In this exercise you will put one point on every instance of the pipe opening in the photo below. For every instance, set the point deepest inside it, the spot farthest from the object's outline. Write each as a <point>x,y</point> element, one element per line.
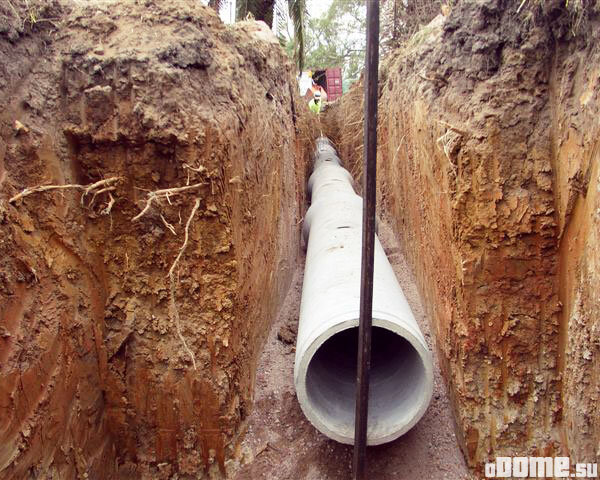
<point>398,384</point>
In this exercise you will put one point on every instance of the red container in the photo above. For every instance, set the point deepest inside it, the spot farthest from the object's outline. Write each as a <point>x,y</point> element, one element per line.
<point>334,83</point>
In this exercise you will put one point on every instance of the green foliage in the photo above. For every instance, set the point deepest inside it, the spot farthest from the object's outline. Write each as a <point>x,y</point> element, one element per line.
<point>337,39</point>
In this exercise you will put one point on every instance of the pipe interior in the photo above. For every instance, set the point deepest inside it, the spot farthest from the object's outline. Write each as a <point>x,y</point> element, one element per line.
<point>398,381</point>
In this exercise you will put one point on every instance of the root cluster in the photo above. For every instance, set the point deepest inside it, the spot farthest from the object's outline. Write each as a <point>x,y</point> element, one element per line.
<point>165,193</point>
<point>106,185</point>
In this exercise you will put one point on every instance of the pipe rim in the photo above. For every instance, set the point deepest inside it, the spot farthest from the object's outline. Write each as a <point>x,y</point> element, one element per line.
<point>390,325</point>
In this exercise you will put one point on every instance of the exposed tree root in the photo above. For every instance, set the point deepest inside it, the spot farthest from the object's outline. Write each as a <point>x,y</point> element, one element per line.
<point>107,185</point>
<point>106,189</point>
<point>165,193</point>
<point>452,127</point>
<point>108,208</point>
<point>200,169</point>
<point>171,274</point>
<point>168,225</point>
<point>449,141</point>
<point>101,186</point>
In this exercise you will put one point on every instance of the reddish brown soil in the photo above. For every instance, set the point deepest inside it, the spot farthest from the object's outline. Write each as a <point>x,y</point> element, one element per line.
<point>488,165</point>
<point>95,379</point>
<point>281,444</point>
<point>488,161</point>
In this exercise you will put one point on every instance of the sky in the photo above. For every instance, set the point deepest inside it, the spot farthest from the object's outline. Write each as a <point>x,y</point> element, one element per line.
<point>228,12</point>
<point>316,8</point>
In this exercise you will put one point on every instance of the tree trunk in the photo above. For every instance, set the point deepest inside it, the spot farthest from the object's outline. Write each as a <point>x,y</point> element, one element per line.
<point>260,9</point>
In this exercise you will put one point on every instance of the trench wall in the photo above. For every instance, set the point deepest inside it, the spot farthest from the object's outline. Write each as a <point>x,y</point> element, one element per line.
<point>95,378</point>
<point>488,171</point>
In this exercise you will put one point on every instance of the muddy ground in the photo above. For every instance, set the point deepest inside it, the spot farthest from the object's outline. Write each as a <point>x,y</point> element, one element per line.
<point>281,444</point>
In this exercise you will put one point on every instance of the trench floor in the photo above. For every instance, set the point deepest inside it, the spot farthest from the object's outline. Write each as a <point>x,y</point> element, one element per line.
<point>280,444</point>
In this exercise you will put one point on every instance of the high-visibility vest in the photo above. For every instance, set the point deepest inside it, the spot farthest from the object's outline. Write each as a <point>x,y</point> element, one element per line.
<point>315,107</point>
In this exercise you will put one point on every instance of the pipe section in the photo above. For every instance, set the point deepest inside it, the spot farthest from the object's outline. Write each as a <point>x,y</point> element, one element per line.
<point>325,368</point>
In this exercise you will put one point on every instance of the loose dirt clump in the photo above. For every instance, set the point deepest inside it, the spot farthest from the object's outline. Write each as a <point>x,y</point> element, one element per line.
<point>150,189</point>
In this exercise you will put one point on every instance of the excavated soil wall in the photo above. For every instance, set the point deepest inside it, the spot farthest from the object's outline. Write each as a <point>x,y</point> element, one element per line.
<point>488,169</point>
<point>109,367</point>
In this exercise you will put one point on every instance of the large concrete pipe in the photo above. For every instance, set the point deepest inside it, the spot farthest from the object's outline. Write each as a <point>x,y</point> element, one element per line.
<point>325,370</point>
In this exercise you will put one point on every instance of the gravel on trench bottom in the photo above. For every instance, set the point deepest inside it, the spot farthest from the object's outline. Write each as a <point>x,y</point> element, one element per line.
<point>281,444</point>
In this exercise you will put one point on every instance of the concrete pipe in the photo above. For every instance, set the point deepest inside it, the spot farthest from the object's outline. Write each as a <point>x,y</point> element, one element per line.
<point>325,368</point>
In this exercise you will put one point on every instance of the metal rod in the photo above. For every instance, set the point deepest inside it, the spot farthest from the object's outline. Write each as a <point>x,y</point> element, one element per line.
<point>368,240</point>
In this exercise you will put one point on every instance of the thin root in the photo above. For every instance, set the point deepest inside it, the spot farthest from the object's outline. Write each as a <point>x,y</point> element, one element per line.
<point>452,127</point>
<point>174,311</point>
<point>165,193</point>
<point>175,316</point>
<point>186,237</point>
<point>168,225</point>
<point>200,169</point>
<point>107,182</point>
<point>445,141</point>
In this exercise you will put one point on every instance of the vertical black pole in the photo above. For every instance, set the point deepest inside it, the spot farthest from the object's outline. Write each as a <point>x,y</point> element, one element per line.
<point>368,240</point>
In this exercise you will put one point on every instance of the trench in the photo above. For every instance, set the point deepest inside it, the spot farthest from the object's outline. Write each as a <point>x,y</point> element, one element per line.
<point>280,442</point>
<point>489,180</point>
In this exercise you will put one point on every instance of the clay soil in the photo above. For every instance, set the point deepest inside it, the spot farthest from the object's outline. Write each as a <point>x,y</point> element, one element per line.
<point>488,168</point>
<point>110,366</point>
<point>280,443</point>
<point>488,159</point>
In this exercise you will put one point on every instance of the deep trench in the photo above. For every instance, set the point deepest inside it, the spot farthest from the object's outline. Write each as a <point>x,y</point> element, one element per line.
<point>485,214</point>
